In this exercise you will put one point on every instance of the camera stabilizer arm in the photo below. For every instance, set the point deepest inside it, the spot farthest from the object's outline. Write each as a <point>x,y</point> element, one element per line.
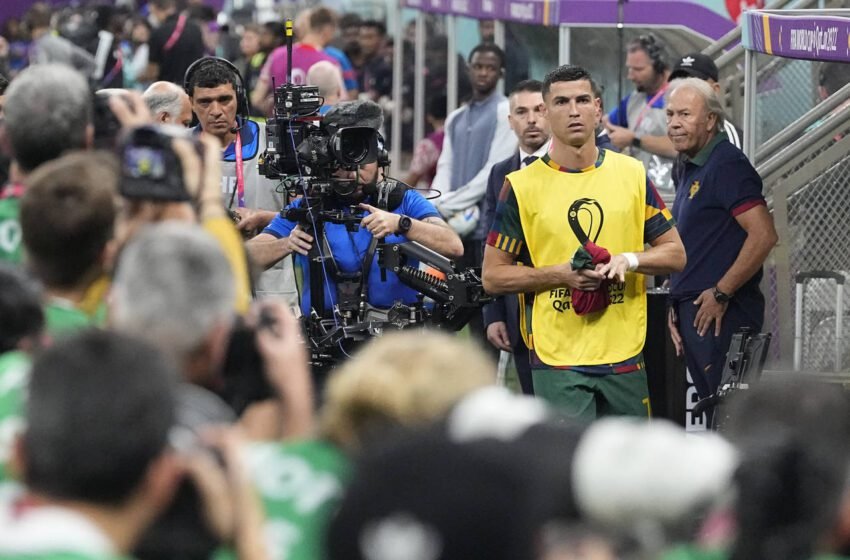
<point>457,294</point>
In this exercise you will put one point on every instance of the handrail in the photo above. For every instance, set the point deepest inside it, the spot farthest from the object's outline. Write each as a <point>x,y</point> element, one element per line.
<point>800,125</point>
<point>833,125</point>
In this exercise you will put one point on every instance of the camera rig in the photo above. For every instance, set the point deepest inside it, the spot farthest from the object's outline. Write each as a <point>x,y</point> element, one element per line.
<point>306,152</point>
<point>447,297</point>
<point>744,364</point>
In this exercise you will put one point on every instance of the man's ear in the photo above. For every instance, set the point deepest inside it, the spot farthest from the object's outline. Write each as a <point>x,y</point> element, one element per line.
<point>161,481</point>
<point>711,123</point>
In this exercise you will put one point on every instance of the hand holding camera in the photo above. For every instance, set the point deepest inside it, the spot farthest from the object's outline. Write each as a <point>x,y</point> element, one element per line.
<point>284,353</point>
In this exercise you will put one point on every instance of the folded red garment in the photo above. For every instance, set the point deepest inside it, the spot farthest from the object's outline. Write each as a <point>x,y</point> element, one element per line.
<point>584,301</point>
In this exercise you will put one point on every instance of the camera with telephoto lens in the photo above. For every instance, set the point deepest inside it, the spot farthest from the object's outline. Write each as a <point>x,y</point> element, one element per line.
<point>150,168</point>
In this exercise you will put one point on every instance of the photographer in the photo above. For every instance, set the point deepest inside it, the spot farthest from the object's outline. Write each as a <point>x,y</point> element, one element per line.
<point>414,219</point>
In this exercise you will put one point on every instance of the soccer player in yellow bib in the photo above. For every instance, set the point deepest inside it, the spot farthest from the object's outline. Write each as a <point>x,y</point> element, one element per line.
<point>586,365</point>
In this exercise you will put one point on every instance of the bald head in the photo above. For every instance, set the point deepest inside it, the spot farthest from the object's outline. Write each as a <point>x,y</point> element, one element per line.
<point>328,78</point>
<point>169,104</point>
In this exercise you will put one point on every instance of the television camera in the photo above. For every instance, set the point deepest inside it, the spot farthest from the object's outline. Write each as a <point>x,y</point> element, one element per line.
<point>307,152</point>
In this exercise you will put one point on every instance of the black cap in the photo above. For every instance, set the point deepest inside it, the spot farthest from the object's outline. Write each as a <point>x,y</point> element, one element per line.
<point>695,65</point>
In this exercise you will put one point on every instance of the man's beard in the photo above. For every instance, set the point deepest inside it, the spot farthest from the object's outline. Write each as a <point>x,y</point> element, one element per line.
<point>358,194</point>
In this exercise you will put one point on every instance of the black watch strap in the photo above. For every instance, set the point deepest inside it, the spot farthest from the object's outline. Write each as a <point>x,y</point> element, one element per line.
<point>721,297</point>
<point>404,224</point>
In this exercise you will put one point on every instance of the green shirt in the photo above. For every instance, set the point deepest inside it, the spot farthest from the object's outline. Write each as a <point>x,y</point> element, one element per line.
<point>690,552</point>
<point>300,485</point>
<point>14,374</point>
<point>10,224</point>
<point>61,317</point>
<point>60,556</point>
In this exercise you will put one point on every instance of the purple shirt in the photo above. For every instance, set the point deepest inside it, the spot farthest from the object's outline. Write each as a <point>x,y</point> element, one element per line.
<point>303,57</point>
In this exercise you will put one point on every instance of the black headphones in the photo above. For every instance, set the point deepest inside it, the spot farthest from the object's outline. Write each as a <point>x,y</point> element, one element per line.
<point>654,49</point>
<point>242,106</point>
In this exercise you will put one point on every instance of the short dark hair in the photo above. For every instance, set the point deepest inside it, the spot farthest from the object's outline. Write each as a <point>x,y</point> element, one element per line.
<point>100,408</point>
<point>438,106</point>
<point>201,13</point>
<point>163,4</point>
<point>349,20</point>
<point>275,28</point>
<point>38,16</point>
<point>20,307</point>
<point>532,86</point>
<point>4,83</point>
<point>210,74</point>
<point>376,25</point>
<point>565,73</point>
<point>598,90</point>
<point>654,49</point>
<point>489,48</point>
<point>68,216</point>
<point>832,76</point>
<point>321,17</point>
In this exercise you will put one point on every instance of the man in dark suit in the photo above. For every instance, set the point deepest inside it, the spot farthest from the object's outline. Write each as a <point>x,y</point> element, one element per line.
<point>527,119</point>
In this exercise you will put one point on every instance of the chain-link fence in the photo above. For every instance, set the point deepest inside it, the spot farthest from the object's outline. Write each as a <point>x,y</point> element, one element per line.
<point>816,237</point>
<point>787,89</point>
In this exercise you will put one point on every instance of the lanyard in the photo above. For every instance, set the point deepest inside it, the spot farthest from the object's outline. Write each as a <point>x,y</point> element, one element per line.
<point>175,35</point>
<point>240,174</point>
<point>12,190</point>
<point>649,105</point>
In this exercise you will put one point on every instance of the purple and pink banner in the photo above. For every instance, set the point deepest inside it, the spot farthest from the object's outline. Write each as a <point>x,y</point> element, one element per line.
<point>710,18</point>
<point>795,36</point>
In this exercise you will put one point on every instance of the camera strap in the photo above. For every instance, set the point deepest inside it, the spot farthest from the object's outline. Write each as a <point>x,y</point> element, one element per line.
<point>240,173</point>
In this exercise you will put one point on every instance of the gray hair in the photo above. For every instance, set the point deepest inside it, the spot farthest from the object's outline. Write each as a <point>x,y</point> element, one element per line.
<point>162,98</point>
<point>172,286</point>
<point>48,110</point>
<point>326,76</point>
<point>706,93</point>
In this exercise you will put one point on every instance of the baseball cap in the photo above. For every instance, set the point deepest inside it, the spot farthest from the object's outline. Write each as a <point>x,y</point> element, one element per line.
<point>695,65</point>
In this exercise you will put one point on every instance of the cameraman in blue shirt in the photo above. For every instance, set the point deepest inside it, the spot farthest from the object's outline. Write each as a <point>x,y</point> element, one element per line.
<point>414,219</point>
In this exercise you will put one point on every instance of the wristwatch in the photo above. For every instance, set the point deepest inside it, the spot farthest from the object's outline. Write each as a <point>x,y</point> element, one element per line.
<point>636,142</point>
<point>721,297</point>
<point>404,224</point>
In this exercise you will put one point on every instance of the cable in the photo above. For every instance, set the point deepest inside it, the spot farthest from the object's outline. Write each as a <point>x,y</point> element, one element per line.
<point>313,223</point>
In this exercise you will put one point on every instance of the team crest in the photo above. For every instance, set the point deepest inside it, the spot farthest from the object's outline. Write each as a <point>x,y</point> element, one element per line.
<point>694,189</point>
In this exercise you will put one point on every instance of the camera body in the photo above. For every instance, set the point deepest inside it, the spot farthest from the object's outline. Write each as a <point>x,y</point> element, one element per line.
<point>306,151</point>
<point>150,168</point>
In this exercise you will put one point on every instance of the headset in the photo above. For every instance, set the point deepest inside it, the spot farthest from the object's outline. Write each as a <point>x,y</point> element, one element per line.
<point>242,105</point>
<point>654,49</point>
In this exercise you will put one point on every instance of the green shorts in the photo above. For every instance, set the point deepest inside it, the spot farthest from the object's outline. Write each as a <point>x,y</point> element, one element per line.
<point>588,397</point>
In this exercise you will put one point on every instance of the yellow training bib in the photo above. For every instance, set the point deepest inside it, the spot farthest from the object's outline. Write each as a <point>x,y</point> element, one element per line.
<point>608,201</point>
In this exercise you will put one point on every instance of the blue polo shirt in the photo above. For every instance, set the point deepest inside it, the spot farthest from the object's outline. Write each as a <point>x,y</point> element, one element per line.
<point>714,187</point>
<point>350,247</point>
